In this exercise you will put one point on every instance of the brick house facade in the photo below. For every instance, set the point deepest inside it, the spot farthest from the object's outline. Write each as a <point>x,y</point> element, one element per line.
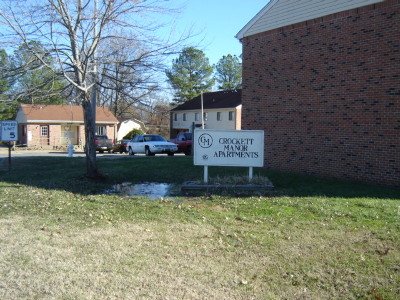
<point>327,93</point>
<point>56,126</point>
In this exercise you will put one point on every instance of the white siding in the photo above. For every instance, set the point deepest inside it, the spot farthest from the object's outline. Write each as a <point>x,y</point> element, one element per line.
<point>210,123</point>
<point>21,117</point>
<point>287,12</point>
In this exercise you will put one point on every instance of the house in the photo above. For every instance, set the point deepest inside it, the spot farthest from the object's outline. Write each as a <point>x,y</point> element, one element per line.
<point>54,126</point>
<point>127,126</point>
<point>222,110</point>
<point>322,79</point>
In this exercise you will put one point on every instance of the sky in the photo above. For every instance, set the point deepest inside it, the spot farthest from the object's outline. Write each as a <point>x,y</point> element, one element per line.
<point>218,21</point>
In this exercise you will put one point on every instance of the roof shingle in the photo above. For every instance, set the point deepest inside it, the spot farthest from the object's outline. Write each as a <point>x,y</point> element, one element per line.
<point>221,99</point>
<point>64,113</point>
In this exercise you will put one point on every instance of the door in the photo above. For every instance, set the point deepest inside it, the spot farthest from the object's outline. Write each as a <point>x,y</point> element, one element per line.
<point>44,135</point>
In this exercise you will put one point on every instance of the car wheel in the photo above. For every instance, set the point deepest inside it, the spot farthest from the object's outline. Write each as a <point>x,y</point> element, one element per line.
<point>148,152</point>
<point>101,151</point>
<point>130,151</point>
<point>109,151</point>
<point>170,153</point>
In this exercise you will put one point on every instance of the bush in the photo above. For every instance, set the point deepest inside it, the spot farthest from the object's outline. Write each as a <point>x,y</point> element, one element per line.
<point>131,134</point>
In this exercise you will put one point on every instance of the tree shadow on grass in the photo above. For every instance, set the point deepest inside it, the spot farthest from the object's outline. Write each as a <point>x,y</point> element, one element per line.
<point>63,173</point>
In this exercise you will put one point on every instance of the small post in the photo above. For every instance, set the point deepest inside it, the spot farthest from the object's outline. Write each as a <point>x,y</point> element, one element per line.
<point>9,156</point>
<point>250,173</point>
<point>191,148</point>
<point>70,150</point>
<point>205,174</point>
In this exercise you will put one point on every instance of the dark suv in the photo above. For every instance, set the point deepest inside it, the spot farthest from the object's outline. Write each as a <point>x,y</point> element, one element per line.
<point>103,143</point>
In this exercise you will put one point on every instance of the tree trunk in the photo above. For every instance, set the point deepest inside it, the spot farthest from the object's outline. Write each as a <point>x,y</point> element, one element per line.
<point>89,115</point>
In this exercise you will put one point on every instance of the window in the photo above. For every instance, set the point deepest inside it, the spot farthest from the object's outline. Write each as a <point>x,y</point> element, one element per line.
<point>205,115</point>
<point>218,116</point>
<point>44,130</point>
<point>175,117</point>
<point>231,114</point>
<point>138,139</point>
<point>101,130</point>
<point>184,117</point>
<point>196,116</point>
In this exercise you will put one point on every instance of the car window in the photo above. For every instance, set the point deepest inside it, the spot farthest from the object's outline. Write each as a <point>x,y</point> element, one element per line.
<point>158,138</point>
<point>188,136</point>
<point>137,139</point>
<point>153,138</point>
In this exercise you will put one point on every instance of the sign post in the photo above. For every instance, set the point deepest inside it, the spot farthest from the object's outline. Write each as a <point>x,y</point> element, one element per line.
<point>9,133</point>
<point>232,148</point>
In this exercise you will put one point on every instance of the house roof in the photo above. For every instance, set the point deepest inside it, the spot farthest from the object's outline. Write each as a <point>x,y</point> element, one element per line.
<point>63,113</point>
<point>213,100</point>
<point>280,13</point>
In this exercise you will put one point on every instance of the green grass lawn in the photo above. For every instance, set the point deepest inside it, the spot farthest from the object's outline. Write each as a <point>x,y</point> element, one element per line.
<point>62,237</point>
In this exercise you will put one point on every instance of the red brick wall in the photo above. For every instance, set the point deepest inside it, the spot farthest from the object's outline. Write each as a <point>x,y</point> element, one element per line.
<point>327,94</point>
<point>111,132</point>
<point>38,141</point>
<point>55,135</point>
<point>54,139</point>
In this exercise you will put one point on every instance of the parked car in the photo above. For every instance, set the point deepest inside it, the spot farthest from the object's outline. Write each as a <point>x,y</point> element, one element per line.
<point>120,146</point>
<point>184,142</point>
<point>103,143</point>
<point>151,144</point>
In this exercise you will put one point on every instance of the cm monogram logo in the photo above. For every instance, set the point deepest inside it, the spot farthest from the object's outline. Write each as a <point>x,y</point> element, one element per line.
<point>205,140</point>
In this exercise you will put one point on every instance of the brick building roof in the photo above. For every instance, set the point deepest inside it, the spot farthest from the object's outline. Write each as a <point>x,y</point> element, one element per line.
<point>213,100</point>
<point>280,13</point>
<point>61,114</point>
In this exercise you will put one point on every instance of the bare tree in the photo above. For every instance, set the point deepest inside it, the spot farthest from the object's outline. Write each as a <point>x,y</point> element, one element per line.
<point>158,120</point>
<point>74,32</point>
<point>123,85</point>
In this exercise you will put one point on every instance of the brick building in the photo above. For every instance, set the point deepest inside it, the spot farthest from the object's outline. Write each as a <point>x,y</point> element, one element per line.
<point>322,78</point>
<point>55,126</point>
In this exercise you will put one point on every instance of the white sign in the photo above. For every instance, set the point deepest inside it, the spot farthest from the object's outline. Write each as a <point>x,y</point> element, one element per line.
<point>8,131</point>
<point>236,148</point>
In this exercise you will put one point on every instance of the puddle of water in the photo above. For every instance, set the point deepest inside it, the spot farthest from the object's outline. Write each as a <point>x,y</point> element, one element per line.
<point>149,189</point>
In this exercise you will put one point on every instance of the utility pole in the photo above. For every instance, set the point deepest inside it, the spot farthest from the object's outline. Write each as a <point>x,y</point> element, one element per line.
<point>202,111</point>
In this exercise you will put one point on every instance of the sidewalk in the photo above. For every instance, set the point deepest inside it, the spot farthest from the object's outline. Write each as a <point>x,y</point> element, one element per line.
<point>23,152</point>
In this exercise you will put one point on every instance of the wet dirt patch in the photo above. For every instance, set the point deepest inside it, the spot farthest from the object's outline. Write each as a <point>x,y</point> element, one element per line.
<point>152,190</point>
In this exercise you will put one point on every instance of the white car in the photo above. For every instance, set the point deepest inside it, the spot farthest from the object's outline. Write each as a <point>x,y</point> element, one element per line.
<point>150,144</point>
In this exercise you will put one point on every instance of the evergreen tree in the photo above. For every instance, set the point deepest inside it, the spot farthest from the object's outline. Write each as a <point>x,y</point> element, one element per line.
<point>8,108</point>
<point>190,75</point>
<point>36,80</point>
<point>229,72</point>
<point>4,82</point>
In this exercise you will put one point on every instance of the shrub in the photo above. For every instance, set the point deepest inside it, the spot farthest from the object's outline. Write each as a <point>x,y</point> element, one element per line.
<point>131,134</point>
